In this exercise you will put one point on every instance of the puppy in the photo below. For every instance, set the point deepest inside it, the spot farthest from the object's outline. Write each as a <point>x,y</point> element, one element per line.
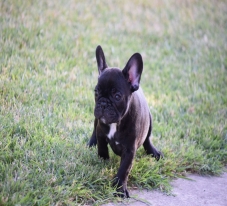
<point>122,116</point>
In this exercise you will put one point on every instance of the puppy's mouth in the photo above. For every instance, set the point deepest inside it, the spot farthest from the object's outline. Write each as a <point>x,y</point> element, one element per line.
<point>106,118</point>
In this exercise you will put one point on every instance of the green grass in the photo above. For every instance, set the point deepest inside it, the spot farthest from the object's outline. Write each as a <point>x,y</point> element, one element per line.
<point>48,73</point>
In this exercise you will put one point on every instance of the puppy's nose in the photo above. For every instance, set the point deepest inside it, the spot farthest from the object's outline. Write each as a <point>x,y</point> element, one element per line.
<point>103,104</point>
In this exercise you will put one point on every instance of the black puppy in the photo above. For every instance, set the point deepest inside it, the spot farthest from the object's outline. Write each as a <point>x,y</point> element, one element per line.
<point>122,117</point>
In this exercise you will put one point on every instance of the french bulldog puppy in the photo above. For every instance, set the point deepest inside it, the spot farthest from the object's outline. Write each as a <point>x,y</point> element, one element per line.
<point>122,116</point>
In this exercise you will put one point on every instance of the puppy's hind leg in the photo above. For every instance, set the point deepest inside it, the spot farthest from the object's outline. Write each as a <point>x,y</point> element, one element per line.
<point>149,147</point>
<point>93,140</point>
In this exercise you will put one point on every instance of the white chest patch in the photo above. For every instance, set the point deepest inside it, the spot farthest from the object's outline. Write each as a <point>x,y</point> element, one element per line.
<point>113,128</point>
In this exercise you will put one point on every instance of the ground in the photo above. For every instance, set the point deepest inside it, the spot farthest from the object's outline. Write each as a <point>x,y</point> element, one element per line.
<point>48,73</point>
<point>197,191</point>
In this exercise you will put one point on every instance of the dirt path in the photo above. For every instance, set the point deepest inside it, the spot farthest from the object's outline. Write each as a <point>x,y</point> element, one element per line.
<point>199,191</point>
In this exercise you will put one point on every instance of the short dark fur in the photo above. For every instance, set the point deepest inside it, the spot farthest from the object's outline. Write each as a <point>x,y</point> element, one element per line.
<point>122,117</point>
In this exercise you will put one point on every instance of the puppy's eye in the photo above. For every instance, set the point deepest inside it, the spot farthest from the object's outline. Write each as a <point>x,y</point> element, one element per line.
<point>117,97</point>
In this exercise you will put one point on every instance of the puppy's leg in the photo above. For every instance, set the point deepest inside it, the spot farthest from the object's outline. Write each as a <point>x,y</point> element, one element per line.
<point>102,148</point>
<point>149,147</point>
<point>102,143</point>
<point>93,140</point>
<point>121,178</point>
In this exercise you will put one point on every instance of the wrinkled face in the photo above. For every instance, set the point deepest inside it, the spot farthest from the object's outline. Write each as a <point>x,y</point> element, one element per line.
<point>112,94</point>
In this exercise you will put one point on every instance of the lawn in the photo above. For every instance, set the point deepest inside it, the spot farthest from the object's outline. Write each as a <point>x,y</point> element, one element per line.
<point>48,73</point>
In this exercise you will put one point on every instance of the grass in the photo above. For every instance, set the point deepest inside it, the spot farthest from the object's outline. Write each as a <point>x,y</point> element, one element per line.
<point>48,73</point>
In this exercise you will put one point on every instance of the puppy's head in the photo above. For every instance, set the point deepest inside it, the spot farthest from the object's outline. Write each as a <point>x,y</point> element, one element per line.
<point>115,86</point>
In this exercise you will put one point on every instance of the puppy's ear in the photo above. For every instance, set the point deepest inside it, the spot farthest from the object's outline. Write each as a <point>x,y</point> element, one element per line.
<point>101,61</point>
<point>133,71</point>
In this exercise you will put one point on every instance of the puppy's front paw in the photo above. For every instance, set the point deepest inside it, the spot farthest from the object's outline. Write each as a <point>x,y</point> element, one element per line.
<point>157,154</point>
<point>123,193</point>
<point>121,189</point>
